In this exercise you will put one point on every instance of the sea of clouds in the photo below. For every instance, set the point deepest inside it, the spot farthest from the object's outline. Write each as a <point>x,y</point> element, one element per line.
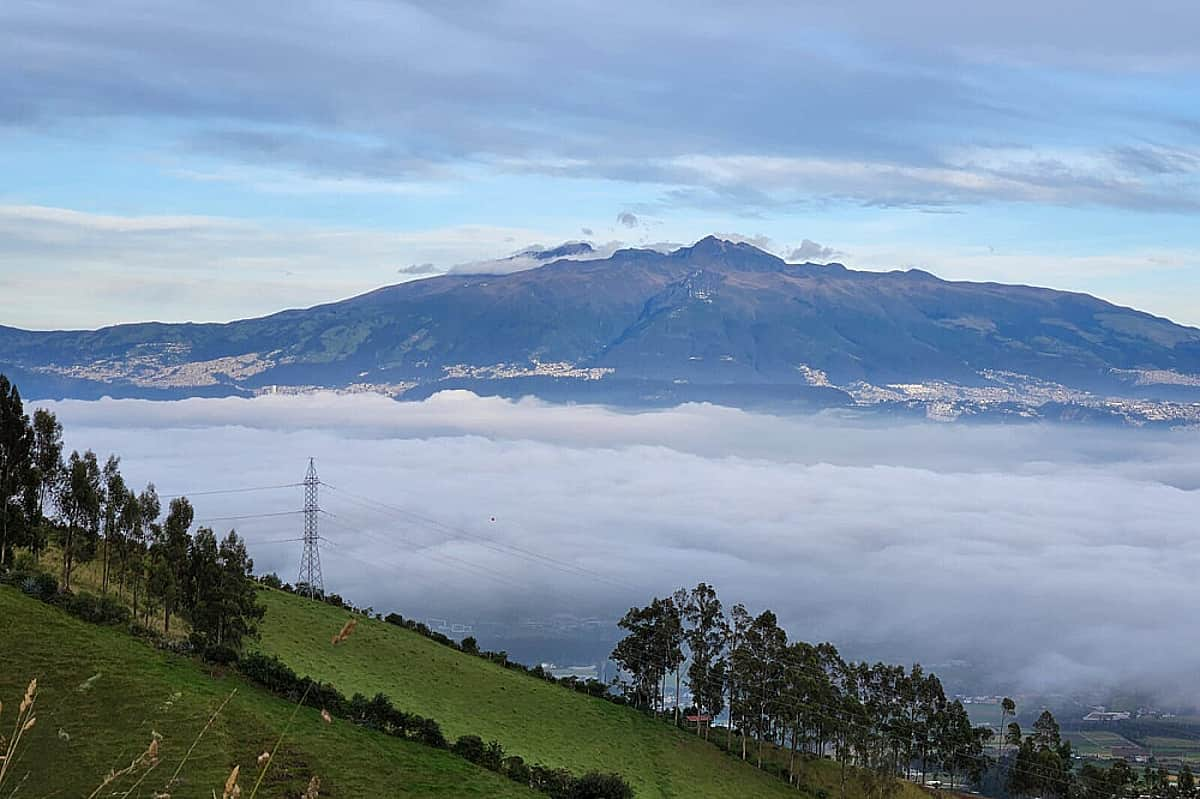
<point>1049,557</point>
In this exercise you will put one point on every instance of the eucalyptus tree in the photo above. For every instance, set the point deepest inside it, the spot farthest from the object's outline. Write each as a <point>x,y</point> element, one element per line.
<point>706,635</point>
<point>669,639</point>
<point>168,558</point>
<point>145,531</point>
<point>1007,708</point>
<point>112,498</point>
<point>16,443</point>
<point>739,622</point>
<point>639,653</point>
<point>758,662</point>
<point>79,504</point>
<point>48,471</point>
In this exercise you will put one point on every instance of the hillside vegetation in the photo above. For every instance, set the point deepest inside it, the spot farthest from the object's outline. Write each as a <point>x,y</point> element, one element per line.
<point>539,721</point>
<point>103,694</point>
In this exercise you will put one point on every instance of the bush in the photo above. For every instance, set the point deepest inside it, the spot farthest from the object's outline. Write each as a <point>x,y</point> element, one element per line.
<point>515,769</point>
<point>493,756</point>
<point>595,785</point>
<point>220,654</point>
<point>469,748</point>
<point>271,580</point>
<point>271,673</point>
<point>429,733</point>
<point>94,609</point>
<point>40,585</point>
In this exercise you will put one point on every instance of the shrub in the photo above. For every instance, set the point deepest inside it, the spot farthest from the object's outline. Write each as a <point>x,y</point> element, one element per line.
<point>40,585</point>
<point>595,785</point>
<point>469,747</point>
<point>515,769</point>
<point>493,756</point>
<point>220,654</point>
<point>556,782</point>
<point>271,673</point>
<point>94,609</point>
<point>429,733</point>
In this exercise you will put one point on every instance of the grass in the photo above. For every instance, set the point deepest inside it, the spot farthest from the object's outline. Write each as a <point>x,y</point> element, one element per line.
<point>102,695</point>
<point>541,722</point>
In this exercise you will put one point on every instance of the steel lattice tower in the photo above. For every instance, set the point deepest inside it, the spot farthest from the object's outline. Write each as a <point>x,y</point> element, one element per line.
<point>310,580</point>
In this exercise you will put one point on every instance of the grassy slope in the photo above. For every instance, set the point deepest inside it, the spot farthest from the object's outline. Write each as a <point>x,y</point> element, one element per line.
<point>141,690</point>
<point>541,722</point>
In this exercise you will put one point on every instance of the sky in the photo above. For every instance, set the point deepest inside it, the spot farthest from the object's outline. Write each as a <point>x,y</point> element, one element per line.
<point>1043,555</point>
<point>200,161</point>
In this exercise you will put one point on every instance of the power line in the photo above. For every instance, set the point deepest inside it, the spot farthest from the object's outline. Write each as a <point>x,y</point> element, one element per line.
<point>475,569</point>
<point>213,491</point>
<point>248,516</point>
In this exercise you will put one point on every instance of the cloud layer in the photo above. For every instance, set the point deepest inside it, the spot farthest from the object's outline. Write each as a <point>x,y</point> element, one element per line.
<point>777,103</point>
<point>1046,556</point>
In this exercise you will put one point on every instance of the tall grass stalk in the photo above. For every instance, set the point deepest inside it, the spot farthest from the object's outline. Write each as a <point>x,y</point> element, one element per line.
<point>24,722</point>
<point>271,758</point>
<point>196,741</point>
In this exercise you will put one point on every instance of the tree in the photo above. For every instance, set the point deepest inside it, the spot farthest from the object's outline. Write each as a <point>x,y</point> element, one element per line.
<point>16,442</point>
<point>1187,781</point>
<point>144,531</point>
<point>1043,763</point>
<point>739,622</point>
<point>650,650</point>
<point>1007,708</point>
<point>199,592</point>
<point>168,558</point>
<point>706,636</point>
<point>239,609</point>
<point>758,662</point>
<point>669,646</point>
<point>48,470</point>
<point>79,502</point>
<point>637,654</point>
<point>113,499</point>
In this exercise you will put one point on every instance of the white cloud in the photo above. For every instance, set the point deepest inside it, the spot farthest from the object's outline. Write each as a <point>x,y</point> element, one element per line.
<point>1039,553</point>
<point>67,268</point>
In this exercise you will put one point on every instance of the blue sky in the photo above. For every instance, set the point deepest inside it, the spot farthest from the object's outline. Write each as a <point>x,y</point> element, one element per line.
<point>209,161</point>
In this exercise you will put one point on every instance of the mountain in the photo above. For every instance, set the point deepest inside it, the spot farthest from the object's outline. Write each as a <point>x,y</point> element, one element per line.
<point>717,321</point>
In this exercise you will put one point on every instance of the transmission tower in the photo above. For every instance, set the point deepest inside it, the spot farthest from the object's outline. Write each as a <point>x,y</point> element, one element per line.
<point>310,580</point>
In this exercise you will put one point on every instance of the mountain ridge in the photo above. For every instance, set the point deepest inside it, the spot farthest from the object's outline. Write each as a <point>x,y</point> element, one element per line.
<point>719,320</point>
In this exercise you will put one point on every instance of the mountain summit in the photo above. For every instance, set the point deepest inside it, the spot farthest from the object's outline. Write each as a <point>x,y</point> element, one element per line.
<point>718,320</point>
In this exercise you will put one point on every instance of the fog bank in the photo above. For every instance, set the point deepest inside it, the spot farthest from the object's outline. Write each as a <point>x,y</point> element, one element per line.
<point>1049,557</point>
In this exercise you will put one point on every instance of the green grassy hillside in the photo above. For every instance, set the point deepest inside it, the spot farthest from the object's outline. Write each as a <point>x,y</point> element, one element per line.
<point>102,694</point>
<point>541,722</point>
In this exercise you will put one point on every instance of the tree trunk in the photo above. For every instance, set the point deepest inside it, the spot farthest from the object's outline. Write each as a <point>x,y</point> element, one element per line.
<point>68,545</point>
<point>792,759</point>
<point>4,520</point>
<point>677,699</point>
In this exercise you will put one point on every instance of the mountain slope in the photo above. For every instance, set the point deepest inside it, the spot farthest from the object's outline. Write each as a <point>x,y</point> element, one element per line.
<point>717,320</point>
<point>102,695</point>
<point>539,721</point>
